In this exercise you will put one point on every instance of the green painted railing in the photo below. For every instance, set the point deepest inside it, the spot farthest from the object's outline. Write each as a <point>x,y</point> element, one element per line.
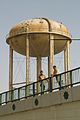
<point>70,78</point>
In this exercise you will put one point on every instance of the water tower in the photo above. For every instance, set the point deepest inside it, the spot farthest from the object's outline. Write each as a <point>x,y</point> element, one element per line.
<point>38,37</point>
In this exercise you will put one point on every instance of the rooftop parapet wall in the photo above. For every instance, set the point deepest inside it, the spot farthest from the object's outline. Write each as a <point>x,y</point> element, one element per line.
<point>50,106</point>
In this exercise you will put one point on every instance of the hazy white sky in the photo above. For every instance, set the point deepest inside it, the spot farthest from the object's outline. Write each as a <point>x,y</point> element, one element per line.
<point>14,11</point>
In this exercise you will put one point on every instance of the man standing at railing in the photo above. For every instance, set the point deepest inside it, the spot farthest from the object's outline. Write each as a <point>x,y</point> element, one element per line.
<point>54,73</point>
<point>42,77</point>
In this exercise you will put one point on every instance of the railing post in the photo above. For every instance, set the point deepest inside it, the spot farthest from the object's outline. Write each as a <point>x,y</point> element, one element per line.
<point>26,91</point>
<point>50,84</point>
<point>41,85</point>
<point>18,93</point>
<point>0,98</point>
<point>60,86</point>
<point>6,97</point>
<point>11,95</point>
<point>71,78</point>
<point>33,89</point>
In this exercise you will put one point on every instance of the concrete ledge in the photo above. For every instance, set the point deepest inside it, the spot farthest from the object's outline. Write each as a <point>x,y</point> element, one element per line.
<point>41,101</point>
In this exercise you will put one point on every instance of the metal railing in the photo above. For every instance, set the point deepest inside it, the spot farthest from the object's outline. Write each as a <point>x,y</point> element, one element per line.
<point>70,78</point>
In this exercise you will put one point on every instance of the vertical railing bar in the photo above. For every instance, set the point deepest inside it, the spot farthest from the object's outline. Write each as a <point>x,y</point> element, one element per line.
<point>11,95</point>
<point>71,79</point>
<point>26,91</point>
<point>6,97</point>
<point>18,93</point>
<point>79,74</point>
<point>60,83</point>
<point>0,99</point>
<point>33,89</point>
<point>41,84</point>
<point>50,84</point>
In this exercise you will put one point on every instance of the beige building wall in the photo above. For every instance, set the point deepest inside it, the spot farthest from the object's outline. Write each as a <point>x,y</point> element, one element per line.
<point>51,106</point>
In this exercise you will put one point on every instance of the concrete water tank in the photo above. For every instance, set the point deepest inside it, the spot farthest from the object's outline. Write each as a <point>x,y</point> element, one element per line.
<point>38,31</point>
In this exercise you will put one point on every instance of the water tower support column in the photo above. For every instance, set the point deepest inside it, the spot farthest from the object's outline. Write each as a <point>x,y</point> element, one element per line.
<point>27,59</point>
<point>51,54</point>
<point>38,66</point>
<point>67,62</point>
<point>38,72</point>
<point>10,68</point>
<point>65,59</point>
<point>67,56</point>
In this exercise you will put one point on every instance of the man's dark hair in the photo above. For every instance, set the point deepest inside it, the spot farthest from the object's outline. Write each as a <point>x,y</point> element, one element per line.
<point>54,66</point>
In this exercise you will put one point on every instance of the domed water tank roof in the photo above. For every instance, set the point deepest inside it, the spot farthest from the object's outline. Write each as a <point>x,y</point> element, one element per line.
<point>39,25</point>
<point>38,31</point>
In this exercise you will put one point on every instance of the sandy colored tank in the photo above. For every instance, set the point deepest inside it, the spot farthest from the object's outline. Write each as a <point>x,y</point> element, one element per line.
<point>38,31</point>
